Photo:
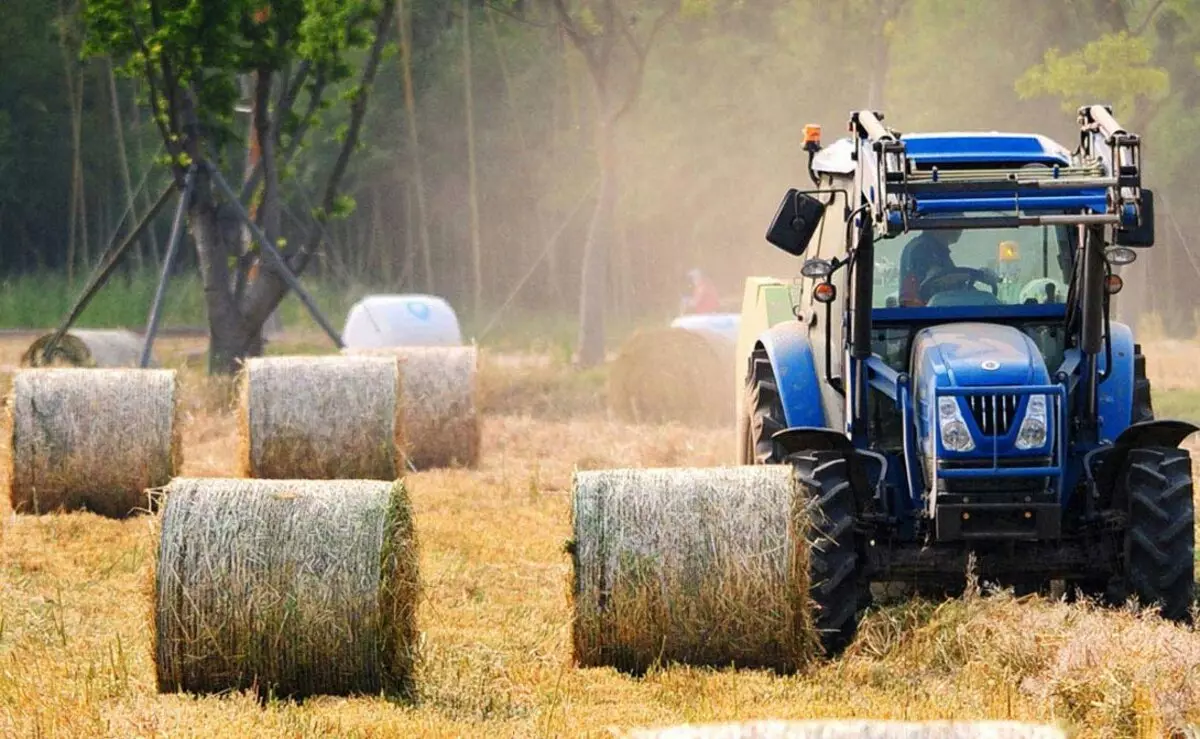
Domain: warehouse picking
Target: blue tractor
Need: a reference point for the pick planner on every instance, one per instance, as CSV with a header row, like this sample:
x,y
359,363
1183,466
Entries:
x,y
947,380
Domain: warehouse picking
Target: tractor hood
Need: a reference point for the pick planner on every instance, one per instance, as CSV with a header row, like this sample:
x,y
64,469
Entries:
x,y
975,354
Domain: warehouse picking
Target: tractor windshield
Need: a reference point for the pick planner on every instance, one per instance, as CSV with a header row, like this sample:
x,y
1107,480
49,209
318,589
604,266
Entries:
x,y
996,266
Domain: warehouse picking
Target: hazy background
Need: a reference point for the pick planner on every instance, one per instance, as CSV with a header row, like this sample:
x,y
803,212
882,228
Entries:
x,y
704,157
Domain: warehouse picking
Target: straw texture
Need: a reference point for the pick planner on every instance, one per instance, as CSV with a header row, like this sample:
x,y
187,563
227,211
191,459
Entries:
x,y
87,348
672,374
855,729
698,566
321,418
288,587
91,439
441,418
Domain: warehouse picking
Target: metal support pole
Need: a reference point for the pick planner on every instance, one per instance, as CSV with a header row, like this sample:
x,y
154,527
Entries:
x,y
280,264
103,272
168,263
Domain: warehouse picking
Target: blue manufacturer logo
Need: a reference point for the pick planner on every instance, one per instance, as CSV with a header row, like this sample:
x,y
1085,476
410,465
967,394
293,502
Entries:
x,y
420,311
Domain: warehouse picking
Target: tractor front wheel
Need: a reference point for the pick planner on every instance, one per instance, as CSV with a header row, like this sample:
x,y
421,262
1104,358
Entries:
x,y
1159,557
765,410
835,585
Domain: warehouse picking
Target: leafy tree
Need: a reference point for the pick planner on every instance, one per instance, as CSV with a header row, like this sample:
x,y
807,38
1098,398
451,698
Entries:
x,y
192,56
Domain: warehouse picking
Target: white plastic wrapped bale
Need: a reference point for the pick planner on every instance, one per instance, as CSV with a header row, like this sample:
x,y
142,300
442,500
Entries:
x,y
722,327
855,729
384,321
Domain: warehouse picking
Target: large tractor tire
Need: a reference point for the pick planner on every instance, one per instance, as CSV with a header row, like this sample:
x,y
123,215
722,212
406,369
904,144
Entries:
x,y
1159,557
1143,407
836,589
765,410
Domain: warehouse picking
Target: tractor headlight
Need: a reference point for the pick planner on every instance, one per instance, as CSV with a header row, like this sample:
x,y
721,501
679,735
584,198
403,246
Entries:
x,y
956,437
1034,429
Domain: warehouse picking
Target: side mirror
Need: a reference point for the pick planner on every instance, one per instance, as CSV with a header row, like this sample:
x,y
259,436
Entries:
x,y
797,220
1142,235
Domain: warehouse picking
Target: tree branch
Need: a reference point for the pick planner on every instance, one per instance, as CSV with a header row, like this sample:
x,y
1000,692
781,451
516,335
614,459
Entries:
x,y
1149,18
581,42
642,53
270,288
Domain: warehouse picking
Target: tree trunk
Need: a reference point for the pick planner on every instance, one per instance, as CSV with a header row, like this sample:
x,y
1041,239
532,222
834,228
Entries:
x,y
404,23
597,249
218,238
472,178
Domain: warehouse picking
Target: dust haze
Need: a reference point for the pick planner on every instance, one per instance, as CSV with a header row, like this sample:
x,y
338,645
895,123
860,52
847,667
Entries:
x,y
703,158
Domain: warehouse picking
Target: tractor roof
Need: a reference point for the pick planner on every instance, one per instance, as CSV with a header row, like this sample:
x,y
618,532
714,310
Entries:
x,y
956,148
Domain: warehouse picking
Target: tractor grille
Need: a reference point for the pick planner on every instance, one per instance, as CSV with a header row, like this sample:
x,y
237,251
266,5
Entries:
x,y
993,414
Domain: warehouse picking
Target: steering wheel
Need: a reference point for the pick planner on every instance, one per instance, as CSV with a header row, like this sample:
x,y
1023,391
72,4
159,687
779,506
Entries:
x,y
957,278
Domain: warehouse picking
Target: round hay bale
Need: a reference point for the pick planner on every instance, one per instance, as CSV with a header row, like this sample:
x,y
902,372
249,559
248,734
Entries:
x,y
291,587
855,729
91,439
672,374
696,566
441,420
87,348
321,418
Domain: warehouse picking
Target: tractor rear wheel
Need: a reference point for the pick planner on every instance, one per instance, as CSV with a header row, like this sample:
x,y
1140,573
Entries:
x,y
765,409
834,566
1159,556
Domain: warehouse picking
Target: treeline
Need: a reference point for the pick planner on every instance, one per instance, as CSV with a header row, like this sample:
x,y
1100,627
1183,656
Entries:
x,y
702,157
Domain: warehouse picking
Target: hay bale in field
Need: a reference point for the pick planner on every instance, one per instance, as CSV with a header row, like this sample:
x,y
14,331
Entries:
x,y
672,374
292,587
321,418
855,729
439,388
698,566
87,348
91,439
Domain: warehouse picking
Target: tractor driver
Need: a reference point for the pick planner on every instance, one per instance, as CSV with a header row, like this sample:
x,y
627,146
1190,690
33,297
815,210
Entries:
x,y
927,254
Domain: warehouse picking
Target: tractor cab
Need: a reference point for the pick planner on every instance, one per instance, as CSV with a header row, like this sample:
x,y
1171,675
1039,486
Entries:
x,y
949,345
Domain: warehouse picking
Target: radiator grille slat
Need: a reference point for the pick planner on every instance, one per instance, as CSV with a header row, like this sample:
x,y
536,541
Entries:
x,y
993,414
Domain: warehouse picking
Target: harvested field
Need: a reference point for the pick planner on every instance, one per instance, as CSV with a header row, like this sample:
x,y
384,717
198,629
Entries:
x,y
76,656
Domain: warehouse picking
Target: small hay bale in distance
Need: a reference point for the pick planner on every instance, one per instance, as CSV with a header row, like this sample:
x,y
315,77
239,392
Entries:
x,y
672,374
291,587
87,348
704,567
91,439
441,418
855,729
321,418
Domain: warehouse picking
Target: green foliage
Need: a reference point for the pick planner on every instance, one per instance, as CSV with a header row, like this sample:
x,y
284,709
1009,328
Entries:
x,y
1116,67
204,45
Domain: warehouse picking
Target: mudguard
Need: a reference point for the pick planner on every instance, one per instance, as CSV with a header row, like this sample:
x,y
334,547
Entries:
x,y
791,356
1116,392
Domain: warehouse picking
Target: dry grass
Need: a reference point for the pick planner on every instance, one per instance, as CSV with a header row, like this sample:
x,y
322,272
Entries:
x,y
698,567
290,587
76,657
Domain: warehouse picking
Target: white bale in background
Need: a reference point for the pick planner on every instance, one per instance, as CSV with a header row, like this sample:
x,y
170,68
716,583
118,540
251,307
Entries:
x,y
721,326
385,321
855,729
